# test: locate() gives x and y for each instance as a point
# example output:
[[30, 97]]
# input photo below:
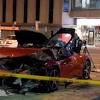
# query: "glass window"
[[86, 4], [60, 40], [25, 10], [78, 4], [14, 10], [37, 10], [4, 10], [66, 6], [51, 6]]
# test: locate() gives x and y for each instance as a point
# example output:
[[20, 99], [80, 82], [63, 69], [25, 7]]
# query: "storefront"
[[90, 30]]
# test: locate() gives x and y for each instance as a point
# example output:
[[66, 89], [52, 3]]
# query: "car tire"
[[86, 70], [52, 85]]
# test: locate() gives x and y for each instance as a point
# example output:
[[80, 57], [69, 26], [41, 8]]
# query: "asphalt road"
[[72, 92]]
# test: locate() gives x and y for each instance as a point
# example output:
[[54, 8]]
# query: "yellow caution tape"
[[46, 78]]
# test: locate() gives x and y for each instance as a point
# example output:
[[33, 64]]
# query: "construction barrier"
[[46, 78]]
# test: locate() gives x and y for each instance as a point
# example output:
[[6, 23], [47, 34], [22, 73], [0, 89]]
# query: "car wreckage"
[[58, 56]]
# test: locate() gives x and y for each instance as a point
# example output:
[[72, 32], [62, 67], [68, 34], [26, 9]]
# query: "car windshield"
[[60, 40]]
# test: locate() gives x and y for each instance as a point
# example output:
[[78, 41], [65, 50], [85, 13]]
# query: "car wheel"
[[52, 85], [86, 70]]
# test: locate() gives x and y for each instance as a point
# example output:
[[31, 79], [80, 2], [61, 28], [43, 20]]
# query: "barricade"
[[46, 78]]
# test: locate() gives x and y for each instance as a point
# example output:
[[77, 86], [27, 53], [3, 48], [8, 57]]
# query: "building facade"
[[87, 15], [66, 19], [85, 8], [25, 13]]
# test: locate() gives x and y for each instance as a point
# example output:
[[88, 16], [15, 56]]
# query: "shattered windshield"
[[60, 40]]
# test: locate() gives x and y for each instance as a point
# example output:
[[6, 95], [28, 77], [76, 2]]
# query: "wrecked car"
[[58, 56]]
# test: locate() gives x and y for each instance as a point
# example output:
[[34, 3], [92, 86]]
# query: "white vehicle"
[[9, 41]]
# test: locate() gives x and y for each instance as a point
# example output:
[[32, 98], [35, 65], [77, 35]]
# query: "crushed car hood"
[[17, 52], [30, 37]]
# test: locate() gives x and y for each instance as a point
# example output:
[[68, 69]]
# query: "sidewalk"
[[95, 55]]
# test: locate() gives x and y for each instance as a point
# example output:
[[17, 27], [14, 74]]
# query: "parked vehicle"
[[58, 56], [9, 41]]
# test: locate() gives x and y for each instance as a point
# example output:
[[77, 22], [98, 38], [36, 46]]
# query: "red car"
[[58, 56]]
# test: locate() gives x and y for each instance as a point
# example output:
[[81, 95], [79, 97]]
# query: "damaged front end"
[[36, 63]]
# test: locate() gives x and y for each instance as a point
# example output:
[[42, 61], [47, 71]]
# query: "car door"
[[69, 67]]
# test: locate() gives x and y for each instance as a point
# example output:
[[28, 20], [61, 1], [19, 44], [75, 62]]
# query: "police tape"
[[47, 78]]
